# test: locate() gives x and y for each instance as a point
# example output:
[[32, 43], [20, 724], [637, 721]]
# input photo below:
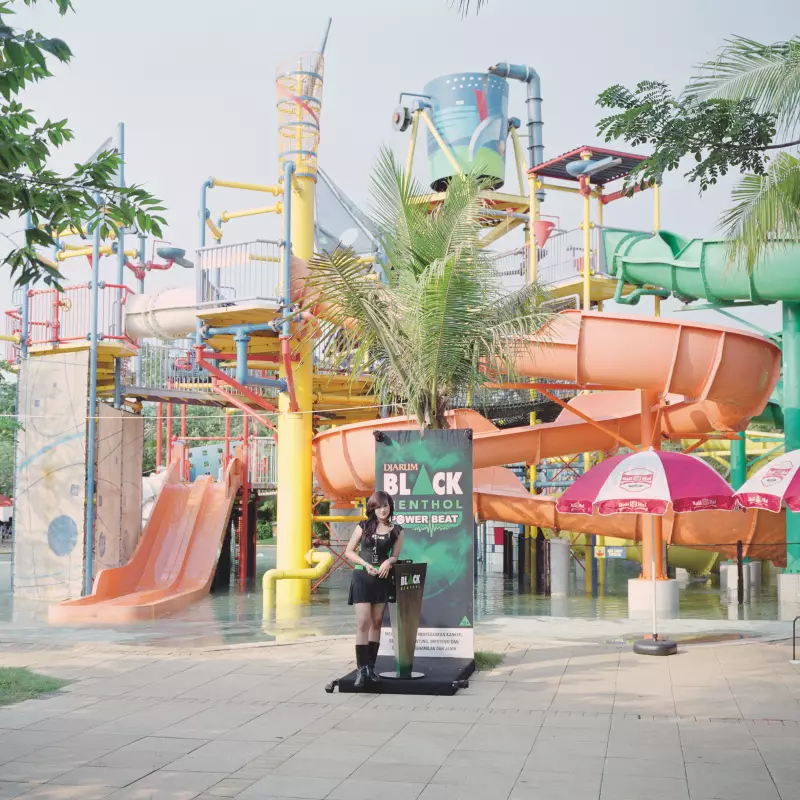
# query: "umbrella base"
[[655, 647]]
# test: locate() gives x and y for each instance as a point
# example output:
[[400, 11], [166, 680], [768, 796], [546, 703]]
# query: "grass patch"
[[486, 660], [18, 684]]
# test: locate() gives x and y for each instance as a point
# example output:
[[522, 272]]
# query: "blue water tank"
[[470, 112]]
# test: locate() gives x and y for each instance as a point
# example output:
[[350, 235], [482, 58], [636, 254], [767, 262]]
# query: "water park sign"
[[429, 476]]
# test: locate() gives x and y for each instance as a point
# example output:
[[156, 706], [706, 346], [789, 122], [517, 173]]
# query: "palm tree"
[[464, 6], [441, 324], [767, 209]]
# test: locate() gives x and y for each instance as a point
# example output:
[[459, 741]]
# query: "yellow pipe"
[[273, 259], [322, 398], [275, 190], [323, 563], [9, 337], [367, 259], [227, 216], [335, 518], [215, 231], [294, 436], [656, 229], [411, 148], [519, 159], [554, 187], [63, 255], [441, 142], [587, 253]]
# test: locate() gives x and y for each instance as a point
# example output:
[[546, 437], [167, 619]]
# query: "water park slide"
[[698, 368], [698, 269], [176, 557]]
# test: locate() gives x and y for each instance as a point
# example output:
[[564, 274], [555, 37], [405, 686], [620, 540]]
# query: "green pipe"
[[738, 461], [791, 418]]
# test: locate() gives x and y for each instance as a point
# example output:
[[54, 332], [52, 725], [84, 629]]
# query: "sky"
[[193, 81]]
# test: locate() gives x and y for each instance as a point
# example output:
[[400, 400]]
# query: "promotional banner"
[[429, 476]]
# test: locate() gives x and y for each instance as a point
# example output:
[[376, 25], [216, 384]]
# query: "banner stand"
[[428, 649]]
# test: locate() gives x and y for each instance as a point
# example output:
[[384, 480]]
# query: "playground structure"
[[241, 341]]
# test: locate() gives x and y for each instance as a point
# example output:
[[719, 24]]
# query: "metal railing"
[[263, 458], [238, 272], [561, 259], [173, 366], [56, 317]]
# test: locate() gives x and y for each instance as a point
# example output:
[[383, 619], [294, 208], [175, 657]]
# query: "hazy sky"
[[194, 82]]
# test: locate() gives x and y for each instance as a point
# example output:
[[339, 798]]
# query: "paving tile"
[[164, 744], [51, 791], [24, 772], [304, 788], [409, 773], [562, 763], [221, 756], [506, 738], [351, 789], [102, 776], [731, 788], [545, 785], [655, 767], [10, 790], [635, 787], [169, 785], [442, 791], [324, 768]]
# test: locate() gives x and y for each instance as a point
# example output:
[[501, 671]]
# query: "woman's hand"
[[371, 570], [383, 572]]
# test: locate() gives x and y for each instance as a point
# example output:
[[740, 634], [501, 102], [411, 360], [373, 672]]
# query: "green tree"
[[28, 185], [442, 321], [465, 5], [735, 111], [8, 431]]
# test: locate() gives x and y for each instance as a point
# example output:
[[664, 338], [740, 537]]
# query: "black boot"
[[373, 676], [362, 656]]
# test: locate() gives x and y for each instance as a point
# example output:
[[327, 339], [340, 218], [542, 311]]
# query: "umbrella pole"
[[654, 646], [653, 573]]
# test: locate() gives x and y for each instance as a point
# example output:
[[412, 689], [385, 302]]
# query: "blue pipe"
[[241, 340], [269, 383], [207, 184], [120, 270], [140, 289], [237, 330], [26, 305], [91, 443], [288, 170]]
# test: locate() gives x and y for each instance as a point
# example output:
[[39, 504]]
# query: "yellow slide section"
[[175, 560]]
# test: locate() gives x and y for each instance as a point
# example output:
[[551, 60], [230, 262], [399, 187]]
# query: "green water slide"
[[665, 263], [698, 269]]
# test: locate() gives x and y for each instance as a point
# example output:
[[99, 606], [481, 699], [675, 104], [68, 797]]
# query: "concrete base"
[[640, 599], [559, 567], [788, 595], [655, 647]]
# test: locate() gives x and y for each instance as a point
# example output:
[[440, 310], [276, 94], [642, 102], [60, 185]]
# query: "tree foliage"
[[82, 199], [718, 134], [443, 320]]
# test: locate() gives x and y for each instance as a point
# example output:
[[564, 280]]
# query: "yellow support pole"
[[533, 212], [227, 216], [519, 158], [599, 205], [587, 253], [275, 190], [441, 142], [412, 145], [294, 437], [555, 187]]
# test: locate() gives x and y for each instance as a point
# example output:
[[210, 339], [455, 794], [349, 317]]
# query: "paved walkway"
[[555, 721]]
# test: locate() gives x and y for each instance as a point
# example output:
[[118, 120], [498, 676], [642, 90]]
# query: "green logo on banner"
[[465, 623], [423, 484]]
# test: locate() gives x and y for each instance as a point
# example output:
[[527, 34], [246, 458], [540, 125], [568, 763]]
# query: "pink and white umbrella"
[[648, 482], [775, 483]]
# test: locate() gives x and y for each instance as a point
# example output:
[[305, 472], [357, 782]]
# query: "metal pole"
[[653, 572], [140, 289], [791, 416], [739, 572], [738, 461], [159, 434], [120, 271], [91, 443]]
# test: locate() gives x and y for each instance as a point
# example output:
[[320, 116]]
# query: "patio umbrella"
[[775, 483], [648, 482]]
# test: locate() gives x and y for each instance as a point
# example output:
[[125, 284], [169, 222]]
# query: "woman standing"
[[374, 548]]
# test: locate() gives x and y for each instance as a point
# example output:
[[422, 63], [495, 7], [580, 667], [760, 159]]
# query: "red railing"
[[56, 317]]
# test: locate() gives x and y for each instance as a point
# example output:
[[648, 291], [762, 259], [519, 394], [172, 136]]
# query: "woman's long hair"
[[370, 527]]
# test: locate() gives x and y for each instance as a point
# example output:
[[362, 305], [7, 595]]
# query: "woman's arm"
[[395, 554], [351, 553]]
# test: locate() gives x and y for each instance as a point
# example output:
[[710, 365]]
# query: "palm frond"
[[465, 5], [745, 68], [766, 214]]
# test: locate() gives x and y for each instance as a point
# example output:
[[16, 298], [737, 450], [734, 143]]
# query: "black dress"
[[366, 588]]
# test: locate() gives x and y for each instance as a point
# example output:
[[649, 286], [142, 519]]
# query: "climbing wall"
[[119, 486], [49, 509]]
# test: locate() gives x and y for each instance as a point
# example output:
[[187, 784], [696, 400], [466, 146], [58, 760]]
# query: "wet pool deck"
[[558, 720]]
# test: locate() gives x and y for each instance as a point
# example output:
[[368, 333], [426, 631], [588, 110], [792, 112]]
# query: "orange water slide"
[[711, 379], [176, 557]]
